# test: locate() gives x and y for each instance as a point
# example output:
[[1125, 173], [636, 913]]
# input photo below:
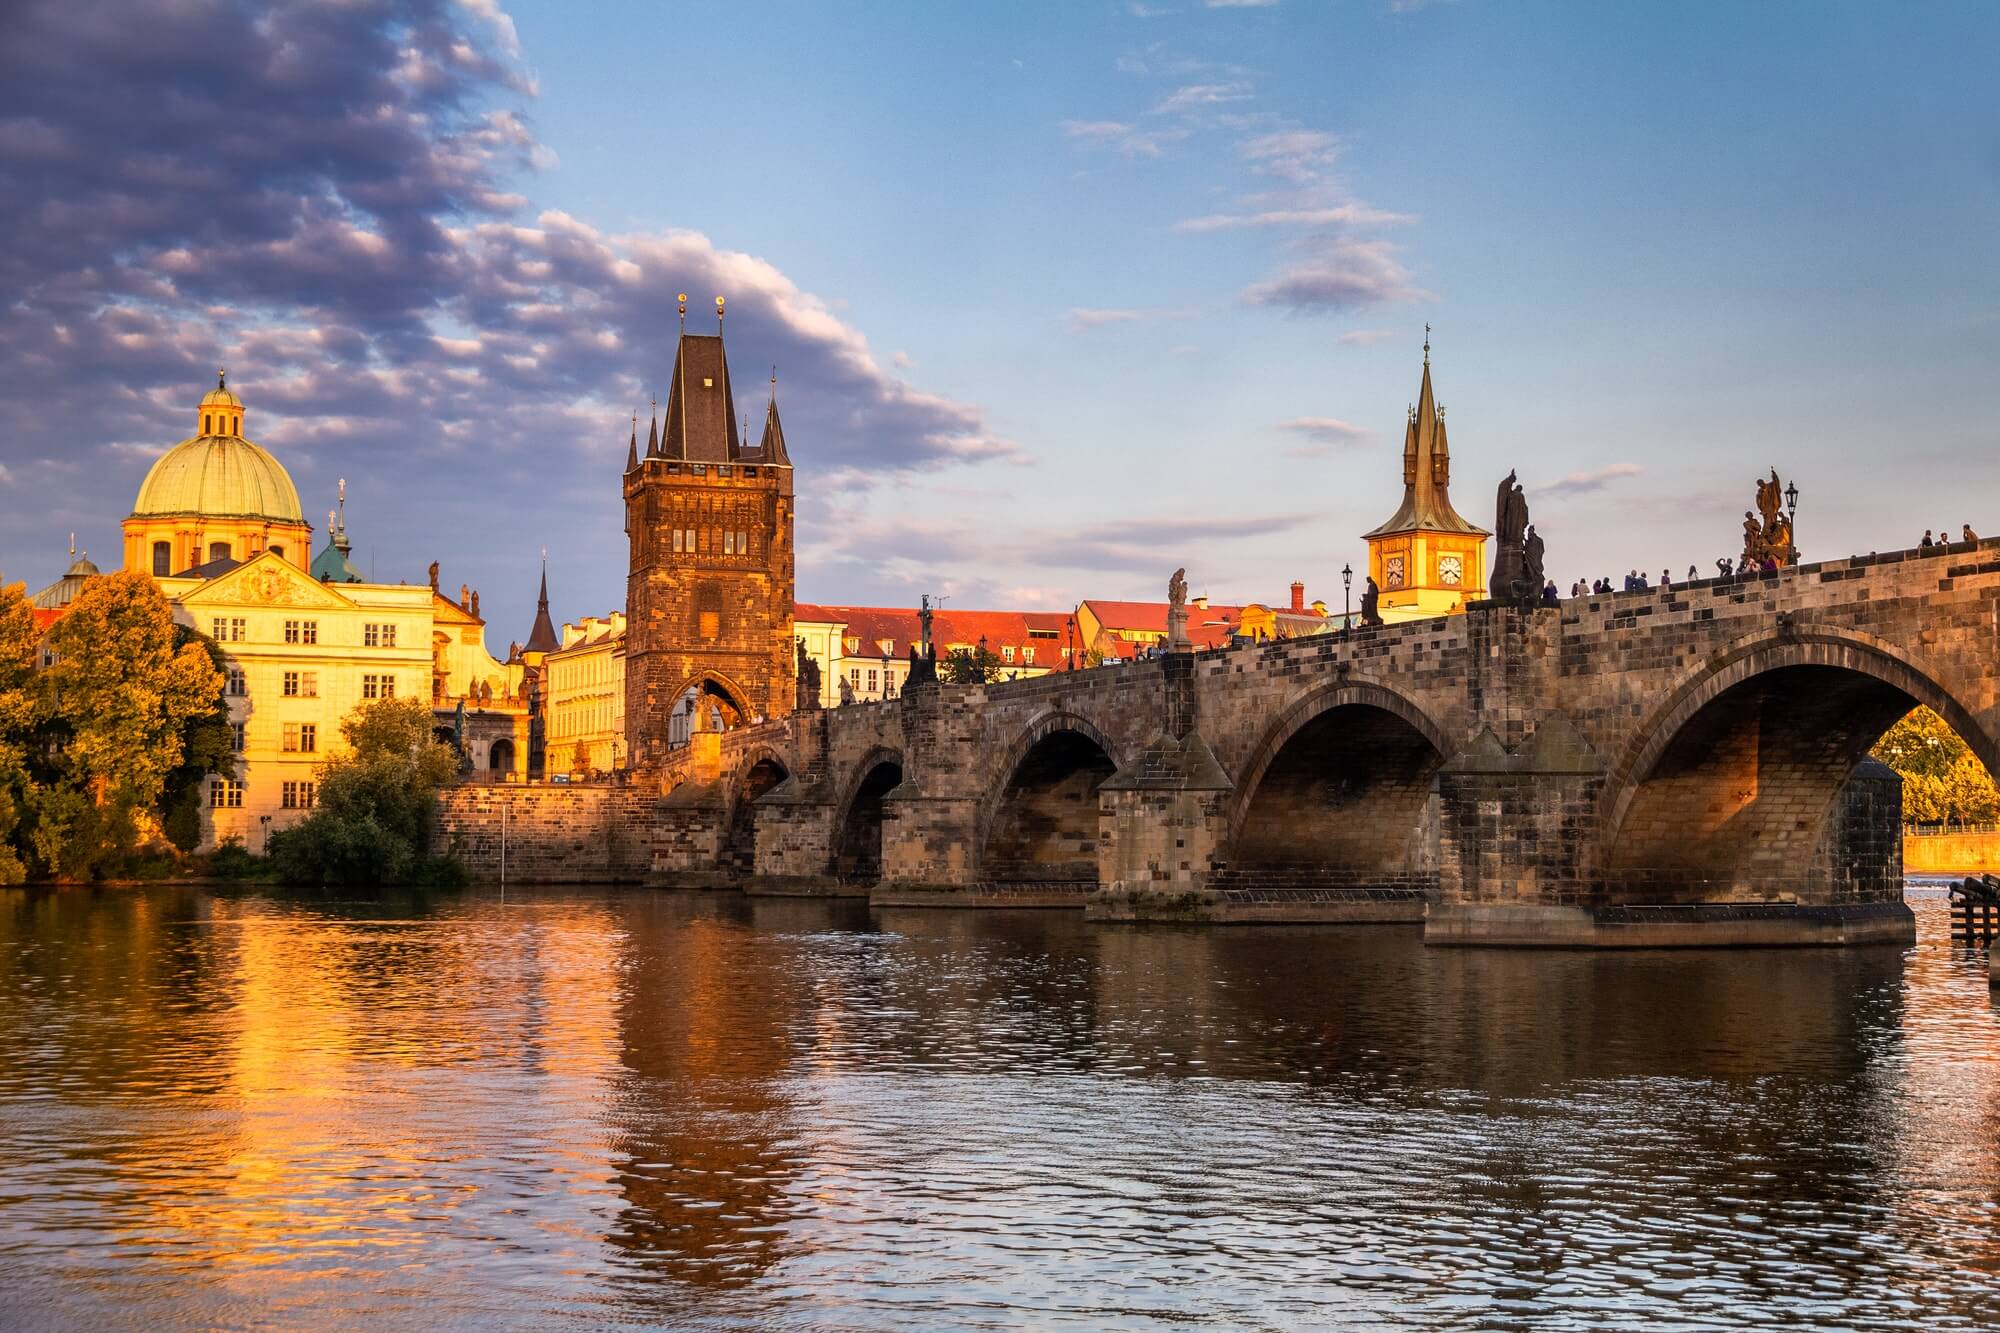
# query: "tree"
[[1943, 781], [129, 713], [971, 666], [372, 824]]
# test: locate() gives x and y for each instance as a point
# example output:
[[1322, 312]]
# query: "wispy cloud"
[[1364, 337], [1339, 215], [1320, 435], [1238, 4], [1082, 320], [1121, 136], [1139, 11], [1583, 483], [1340, 273], [1197, 96]]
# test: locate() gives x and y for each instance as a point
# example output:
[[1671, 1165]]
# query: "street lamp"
[[1792, 520], [1069, 645], [1346, 597]]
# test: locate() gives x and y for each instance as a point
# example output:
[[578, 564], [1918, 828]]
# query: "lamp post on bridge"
[[1346, 597], [1792, 519]]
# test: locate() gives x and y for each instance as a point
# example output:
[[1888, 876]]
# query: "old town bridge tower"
[[709, 589]]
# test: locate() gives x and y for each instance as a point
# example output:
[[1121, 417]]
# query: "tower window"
[[207, 424], [163, 559], [218, 550], [278, 551]]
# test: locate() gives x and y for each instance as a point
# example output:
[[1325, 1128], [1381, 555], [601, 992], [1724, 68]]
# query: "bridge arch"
[[756, 771], [1041, 821], [1338, 788], [710, 686], [856, 854], [1725, 790]]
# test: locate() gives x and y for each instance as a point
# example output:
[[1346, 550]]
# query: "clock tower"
[[1427, 560]]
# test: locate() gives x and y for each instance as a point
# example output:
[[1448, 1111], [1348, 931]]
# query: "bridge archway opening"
[[705, 704], [1342, 803], [739, 841], [857, 851], [1763, 791], [1045, 827]]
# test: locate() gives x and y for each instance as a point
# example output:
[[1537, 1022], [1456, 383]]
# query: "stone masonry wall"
[[554, 834]]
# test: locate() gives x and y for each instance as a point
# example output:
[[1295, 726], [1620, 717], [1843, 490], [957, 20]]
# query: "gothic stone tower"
[[709, 592]]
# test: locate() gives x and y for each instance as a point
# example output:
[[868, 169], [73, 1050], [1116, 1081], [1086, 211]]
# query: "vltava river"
[[643, 1108]]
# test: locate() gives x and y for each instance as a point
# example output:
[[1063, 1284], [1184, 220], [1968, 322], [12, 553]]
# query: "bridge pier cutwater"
[[1681, 766]]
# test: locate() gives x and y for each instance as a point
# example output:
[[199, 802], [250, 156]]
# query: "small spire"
[[222, 377], [72, 546], [718, 316], [684, 326], [774, 384], [1427, 343], [632, 453]]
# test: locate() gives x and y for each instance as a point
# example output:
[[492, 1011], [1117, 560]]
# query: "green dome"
[[219, 476]]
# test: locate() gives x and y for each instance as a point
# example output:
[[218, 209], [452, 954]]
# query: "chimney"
[[1200, 601], [1298, 596]]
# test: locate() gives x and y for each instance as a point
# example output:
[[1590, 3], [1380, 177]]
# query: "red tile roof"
[[1208, 627], [1001, 630]]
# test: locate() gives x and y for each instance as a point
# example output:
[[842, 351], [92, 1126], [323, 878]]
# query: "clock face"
[[1392, 571], [1451, 570]]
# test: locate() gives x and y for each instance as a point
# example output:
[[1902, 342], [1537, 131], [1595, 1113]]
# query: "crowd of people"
[[1636, 581]]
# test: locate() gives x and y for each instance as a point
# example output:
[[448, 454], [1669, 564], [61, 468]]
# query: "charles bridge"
[[1682, 765]]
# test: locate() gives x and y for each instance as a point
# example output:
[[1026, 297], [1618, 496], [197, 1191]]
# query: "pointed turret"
[[542, 638], [632, 451], [772, 446], [1426, 503], [653, 432]]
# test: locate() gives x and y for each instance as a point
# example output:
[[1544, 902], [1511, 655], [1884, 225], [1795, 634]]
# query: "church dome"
[[218, 473]]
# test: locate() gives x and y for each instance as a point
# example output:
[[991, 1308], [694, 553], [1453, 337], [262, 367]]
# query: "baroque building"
[[863, 652], [584, 697], [1427, 560], [709, 585], [307, 638]]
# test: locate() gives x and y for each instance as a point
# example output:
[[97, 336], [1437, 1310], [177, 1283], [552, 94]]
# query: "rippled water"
[[705, 1111]]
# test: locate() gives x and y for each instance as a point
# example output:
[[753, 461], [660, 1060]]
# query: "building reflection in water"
[[240, 1108]]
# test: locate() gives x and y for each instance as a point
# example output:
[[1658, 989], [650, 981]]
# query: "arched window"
[[277, 550], [218, 550], [163, 559]]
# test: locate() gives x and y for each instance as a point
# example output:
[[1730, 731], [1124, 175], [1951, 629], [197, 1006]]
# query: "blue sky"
[[1060, 296]]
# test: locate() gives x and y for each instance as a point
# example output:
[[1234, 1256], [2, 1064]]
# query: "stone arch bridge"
[[1672, 766]]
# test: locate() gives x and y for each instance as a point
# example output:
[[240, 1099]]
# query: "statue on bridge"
[[808, 678], [1177, 615], [1532, 572], [1371, 604], [1510, 527], [1767, 532]]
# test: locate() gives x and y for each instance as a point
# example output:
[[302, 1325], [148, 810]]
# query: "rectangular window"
[[239, 736], [872, 682], [854, 677], [237, 686], [299, 795], [301, 685], [225, 794], [724, 471], [301, 631], [378, 636], [301, 737], [729, 543], [677, 541], [378, 687], [228, 629], [1007, 652], [1028, 653]]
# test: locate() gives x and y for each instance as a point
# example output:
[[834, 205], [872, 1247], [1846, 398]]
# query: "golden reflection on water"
[[238, 1109]]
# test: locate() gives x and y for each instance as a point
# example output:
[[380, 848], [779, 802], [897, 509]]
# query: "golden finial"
[[684, 319], [718, 314], [221, 377], [1427, 344]]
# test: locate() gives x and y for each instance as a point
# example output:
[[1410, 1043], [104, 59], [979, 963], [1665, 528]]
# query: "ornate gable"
[[269, 580]]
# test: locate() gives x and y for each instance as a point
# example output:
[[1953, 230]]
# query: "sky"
[[1059, 297]]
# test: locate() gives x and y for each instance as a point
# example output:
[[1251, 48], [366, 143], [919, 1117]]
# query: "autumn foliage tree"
[[1943, 781], [124, 722]]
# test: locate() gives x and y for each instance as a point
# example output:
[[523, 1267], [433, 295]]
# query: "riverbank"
[[1951, 854]]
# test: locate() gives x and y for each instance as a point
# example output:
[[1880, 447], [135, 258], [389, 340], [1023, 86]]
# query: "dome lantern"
[[220, 411]]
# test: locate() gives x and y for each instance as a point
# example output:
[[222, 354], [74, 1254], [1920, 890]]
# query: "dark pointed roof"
[[1426, 503], [772, 446], [632, 453], [701, 417], [542, 638], [652, 432]]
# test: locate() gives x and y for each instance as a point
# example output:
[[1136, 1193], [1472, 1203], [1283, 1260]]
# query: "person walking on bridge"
[[1926, 543]]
